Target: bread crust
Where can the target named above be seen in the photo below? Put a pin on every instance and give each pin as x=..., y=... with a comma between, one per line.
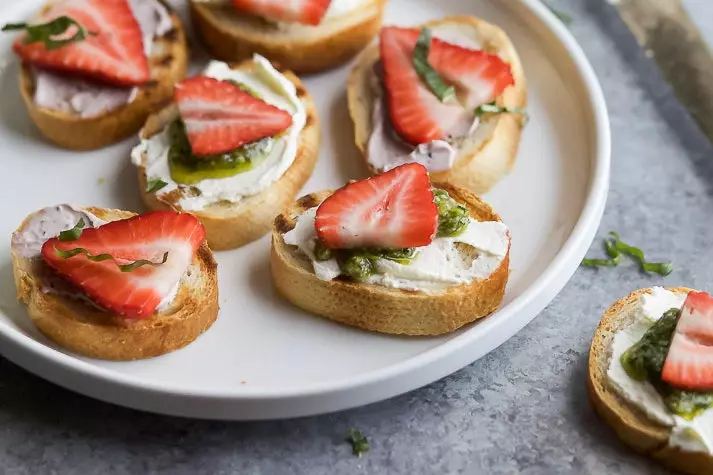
x=377, y=308
x=490, y=153
x=630, y=423
x=232, y=36
x=74, y=132
x=84, y=329
x=231, y=225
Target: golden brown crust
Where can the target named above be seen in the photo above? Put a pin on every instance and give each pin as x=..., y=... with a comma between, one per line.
x=74, y=132
x=231, y=225
x=487, y=155
x=232, y=36
x=378, y=308
x=630, y=423
x=84, y=329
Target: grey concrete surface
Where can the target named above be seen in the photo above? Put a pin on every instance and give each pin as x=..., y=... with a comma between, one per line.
x=523, y=409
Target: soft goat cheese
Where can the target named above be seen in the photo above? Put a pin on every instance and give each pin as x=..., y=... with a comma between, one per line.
x=386, y=150
x=275, y=89
x=436, y=266
x=47, y=224
x=87, y=99
x=691, y=436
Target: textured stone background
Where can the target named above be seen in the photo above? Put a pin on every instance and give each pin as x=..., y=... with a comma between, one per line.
x=522, y=409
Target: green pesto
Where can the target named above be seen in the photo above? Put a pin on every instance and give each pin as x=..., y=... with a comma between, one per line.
x=453, y=217
x=188, y=169
x=645, y=360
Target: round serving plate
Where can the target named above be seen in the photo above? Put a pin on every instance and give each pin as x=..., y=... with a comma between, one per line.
x=264, y=358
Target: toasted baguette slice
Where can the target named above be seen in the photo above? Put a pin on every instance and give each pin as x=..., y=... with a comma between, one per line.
x=630, y=423
x=231, y=225
x=377, y=308
x=488, y=154
x=168, y=63
x=233, y=36
x=83, y=328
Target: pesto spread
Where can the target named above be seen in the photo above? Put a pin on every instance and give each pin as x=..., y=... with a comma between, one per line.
x=645, y=360
x=188, y=169
x=360, y=263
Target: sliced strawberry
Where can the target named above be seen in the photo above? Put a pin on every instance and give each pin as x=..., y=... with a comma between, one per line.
x=137, y=293
x=221, y=117
x=416, y=113
x=689, y=363
x=308, y=12
x=390, y=211
x=112, y=52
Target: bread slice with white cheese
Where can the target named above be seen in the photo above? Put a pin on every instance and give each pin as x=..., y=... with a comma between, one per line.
x=383, y=308
x=71, y=126
x=72, y=321
x=236, y=216
x=233, y=36
x=485, y=155
x=630, y=421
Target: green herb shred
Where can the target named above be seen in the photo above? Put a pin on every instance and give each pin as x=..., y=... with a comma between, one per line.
x=47, y=33
x=359, y=442
x=74, y=233
x=429, y=75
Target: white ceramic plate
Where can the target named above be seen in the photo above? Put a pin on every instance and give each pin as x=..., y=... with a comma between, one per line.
x=264, y=358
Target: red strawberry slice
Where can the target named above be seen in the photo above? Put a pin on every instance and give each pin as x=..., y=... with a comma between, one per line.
x=308, y=12
x=390, y=211
x=134, y=294
x=416, y=113
x=689, y=363
x=115, y=55
x=221, y=117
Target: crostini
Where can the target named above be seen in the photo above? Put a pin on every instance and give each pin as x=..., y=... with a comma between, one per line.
x=392, y=253
x=651, y=375
x=448, y=95
x=306, y=36
x=109, y=284
x=93, y=70
x=233, y=149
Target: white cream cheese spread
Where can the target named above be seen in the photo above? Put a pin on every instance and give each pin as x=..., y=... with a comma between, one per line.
x=48, y=223
x=275, y=89
x=386, y=150
x=692, y=436
x=87, y=99
x=435, y=267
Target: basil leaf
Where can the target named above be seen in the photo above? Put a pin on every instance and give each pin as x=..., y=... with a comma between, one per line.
x=155, y=184
x=359, y=443
x=661, y=268
x=426, y=72
x=74, y=233
x=493, y=108
x=48, y=32
x=68, y=254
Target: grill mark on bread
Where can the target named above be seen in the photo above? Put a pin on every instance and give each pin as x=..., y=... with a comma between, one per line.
x=283, y=224
x=301, y=91
x=310, y=121
x=308, y=201
x=166, y=60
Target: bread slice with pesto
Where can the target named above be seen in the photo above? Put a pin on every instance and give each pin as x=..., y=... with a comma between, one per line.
x=80, y=121
x=463, y=139
x=91, y=311
x=406, y=297
x=232, y=35
x=631, y=423
x=239, y=219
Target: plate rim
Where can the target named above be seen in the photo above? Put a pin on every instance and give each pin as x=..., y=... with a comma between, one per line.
x=21, y=348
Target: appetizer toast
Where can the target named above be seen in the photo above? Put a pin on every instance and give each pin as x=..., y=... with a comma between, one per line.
x=233, y=34
x=230, y=224
x=166, y=61
x=650, y=425
x=475, y=148
x=93, y=311
x=378, y=306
